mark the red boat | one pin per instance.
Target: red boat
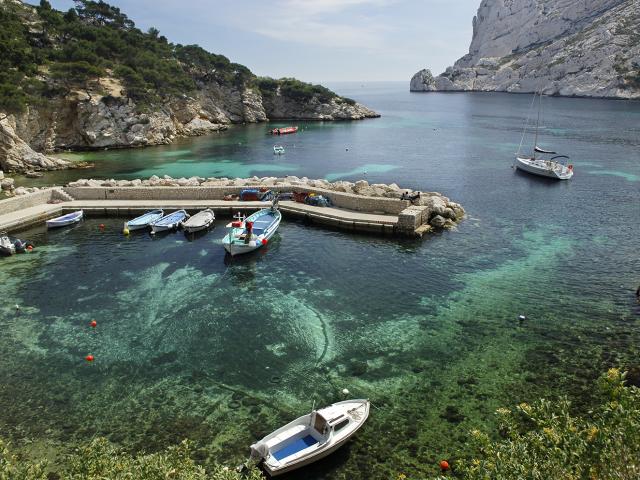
(283, 130)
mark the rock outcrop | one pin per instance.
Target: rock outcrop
(562, 47)
(99, 113)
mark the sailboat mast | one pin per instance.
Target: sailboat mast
(535, 142)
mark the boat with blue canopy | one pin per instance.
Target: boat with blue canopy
(171, 221)
(246, 235)
(64, 220)
(143, 221)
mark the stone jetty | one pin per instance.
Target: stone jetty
(358, 206)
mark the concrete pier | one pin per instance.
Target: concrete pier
(349, 212)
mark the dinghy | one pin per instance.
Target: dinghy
(169, 222)
(278, 150)
(310, 437)
(283, 130)
(246, 235)
(7, 247)
(200, 221)
(143, 221)
(63, 221)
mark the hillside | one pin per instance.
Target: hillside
(88, 78)
(589, 48)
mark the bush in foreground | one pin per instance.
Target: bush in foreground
(544, 441)
(100, 460)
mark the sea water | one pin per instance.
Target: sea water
(192, 344)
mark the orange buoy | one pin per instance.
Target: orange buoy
(29, 247)
(89, 358)
(264, 241)
(101, 226)
(93, 323)
(444, 465)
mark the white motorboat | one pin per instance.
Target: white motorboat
(278, 150)
(541, 162)
(310, 437)
(200, 221)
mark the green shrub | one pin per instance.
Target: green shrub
(544, 441)
(100, 460)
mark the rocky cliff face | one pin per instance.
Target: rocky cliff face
(102, 117)
(564, 47)
(97, 113)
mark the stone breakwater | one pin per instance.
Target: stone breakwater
(423, 208)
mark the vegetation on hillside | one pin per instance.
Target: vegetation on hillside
(44, 53)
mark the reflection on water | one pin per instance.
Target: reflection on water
(193, 344)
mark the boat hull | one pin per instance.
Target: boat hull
(169, 222)
(144, 221)
(325, 444)
(544, 168)
(199, 222)
(65, 220)
(238, 247)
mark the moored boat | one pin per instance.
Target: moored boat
(246, 235)
(7, 247)
(278, 150)
(64, 220)
(283, 130)
(310, 437)
(143, 221)
(555, 167)
(200, 221)
(171, 221)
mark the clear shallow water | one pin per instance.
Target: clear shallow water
(191, 345)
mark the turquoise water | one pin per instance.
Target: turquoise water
(192, 345)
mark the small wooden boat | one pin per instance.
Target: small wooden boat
(283, 130)
(278, 150)
(143, 221)
(200, 221)
(169, 222)
(7, 247)
(246, 235)
(310, 437)
(63, 221)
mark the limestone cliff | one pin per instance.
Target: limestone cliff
(57, 103)
(564, 47)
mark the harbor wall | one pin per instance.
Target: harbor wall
(348, 201)
(15, 204)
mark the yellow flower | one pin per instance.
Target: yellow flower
(525, 407)
(401, 476)
(503, 411)
(613, 373)
(592, 433)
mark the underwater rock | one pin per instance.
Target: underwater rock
(164, 358)
(357, 368)
(452, 414)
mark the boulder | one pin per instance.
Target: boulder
(438, 221)
(7, 184)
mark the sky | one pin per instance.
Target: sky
(315, 40)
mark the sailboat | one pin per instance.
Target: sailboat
(542, 162)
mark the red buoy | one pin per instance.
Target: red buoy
(444, 465)
(93, 323)
(264, 241)
(29, 247)
(101, 226)
(89, 358)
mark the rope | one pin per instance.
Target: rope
(526, 123)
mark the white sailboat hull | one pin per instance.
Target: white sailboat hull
(544, 168)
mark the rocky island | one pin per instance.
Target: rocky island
(89, 79)
(567, 48)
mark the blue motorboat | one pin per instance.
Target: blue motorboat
(143, 221)
(169, 222)
(63, 221)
